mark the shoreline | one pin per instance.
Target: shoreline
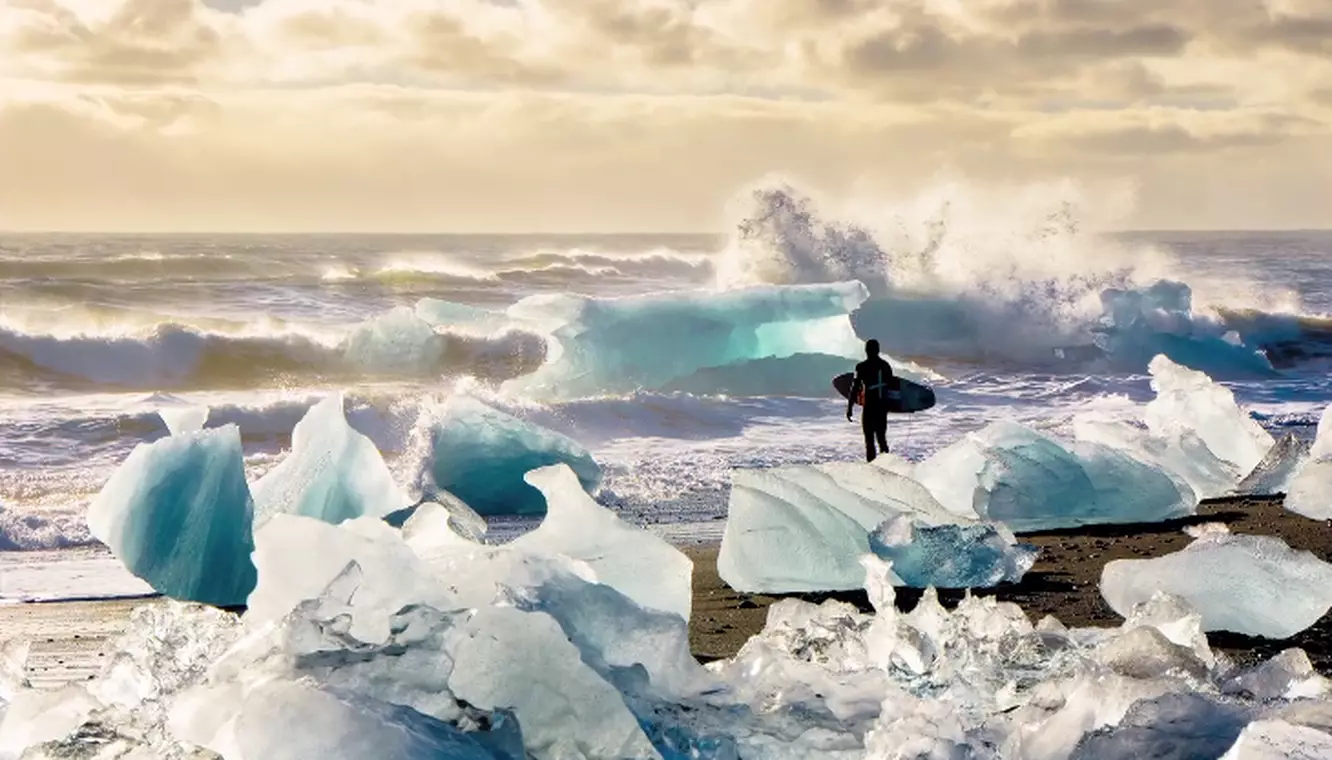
(70, 636)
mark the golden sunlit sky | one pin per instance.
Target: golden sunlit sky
(647, 115)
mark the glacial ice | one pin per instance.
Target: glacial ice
(1013, 474)
(178, 514)
(952, 556)
(640, 565)
(398, 340)
(1278, 468)
(1182, 455)
(1309, 488)
(481, 454)
(555, 666)
(333, 473)
(622, 345)
(1188, 399)
(1279, 740)
(806, 528)
(1248, 584)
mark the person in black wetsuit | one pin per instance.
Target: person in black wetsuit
(874, 376)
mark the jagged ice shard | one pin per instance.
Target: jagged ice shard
(1254, 585)
(1010, 473)
(481, 455)
(1279, 467)
(178, 514)
(1189, 400)
(333, 473)
(977, 555)
(1309, 488)
(640, 565)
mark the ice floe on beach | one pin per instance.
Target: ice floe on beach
(1255, 585)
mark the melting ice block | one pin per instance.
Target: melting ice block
(977, 555)
(805, 528)
(1182, 454)
(1279, 740)
(1189, 400)
(398, 340)
(481, 454)
(1277, 469)
(1309, 489)
(1254, 585)
(178, 514)
(637, 563)
(333, 473)
(1030, 481)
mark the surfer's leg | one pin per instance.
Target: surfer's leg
(881, 432)
(867, 424)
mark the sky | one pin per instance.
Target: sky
(649, 115)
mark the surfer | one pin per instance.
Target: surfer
(872, 379)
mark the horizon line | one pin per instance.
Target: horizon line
(486, 233)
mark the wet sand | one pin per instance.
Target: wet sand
(1064, 582)
(70, 639)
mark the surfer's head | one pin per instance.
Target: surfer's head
(872, 347)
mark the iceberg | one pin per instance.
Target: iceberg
(1309, 488)
(1183, 455)
(1188, 400)
(1253, 585)
(640, 565)
(622, 345)
(333, 473)
(481, 455)
(398, 340)
(1009, 473)
(178, 513)
(952, 556)
(1277, 469)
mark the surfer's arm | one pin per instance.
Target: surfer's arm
(851, 396)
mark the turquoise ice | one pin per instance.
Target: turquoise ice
(480, 455)
(178, 514)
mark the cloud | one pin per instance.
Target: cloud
(646, 114)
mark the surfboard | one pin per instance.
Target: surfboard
(904, 396)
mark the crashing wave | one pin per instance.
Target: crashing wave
(1012, 281)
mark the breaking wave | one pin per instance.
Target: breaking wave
(1024, 277)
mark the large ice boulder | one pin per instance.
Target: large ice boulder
(1030, 481)
(1188, 400)
(1309, 486)
(481, 455)
(1255, 585)
(1180, 454)
(637, 563)
(397, 341)
(333, 473)
(178, 513)
(806, 528)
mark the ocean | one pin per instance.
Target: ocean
(1035, 325)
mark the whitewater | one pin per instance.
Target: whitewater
(662, 382)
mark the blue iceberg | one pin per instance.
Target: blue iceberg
(399, 340)
(621, 345)
(1010, 473)
(178, 514)
(333, 473)
(481, 455)
(973, 555)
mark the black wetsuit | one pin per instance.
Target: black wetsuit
(876, 376)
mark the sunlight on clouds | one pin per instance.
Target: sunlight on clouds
(602, 114)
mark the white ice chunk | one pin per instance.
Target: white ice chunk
(298, 557)
(1310, 490)
(1163, 726)
(396, 341)
(1189, 400)
(1279, 740)
(178, 513)
(1289, 675)
(333, 473)
(1255, 585)
(523, 661)
(1279, 467)
(42, 715)
(1030, 481)
(637, 563)
(183, 419)
(1182, 454)
(481, 454)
